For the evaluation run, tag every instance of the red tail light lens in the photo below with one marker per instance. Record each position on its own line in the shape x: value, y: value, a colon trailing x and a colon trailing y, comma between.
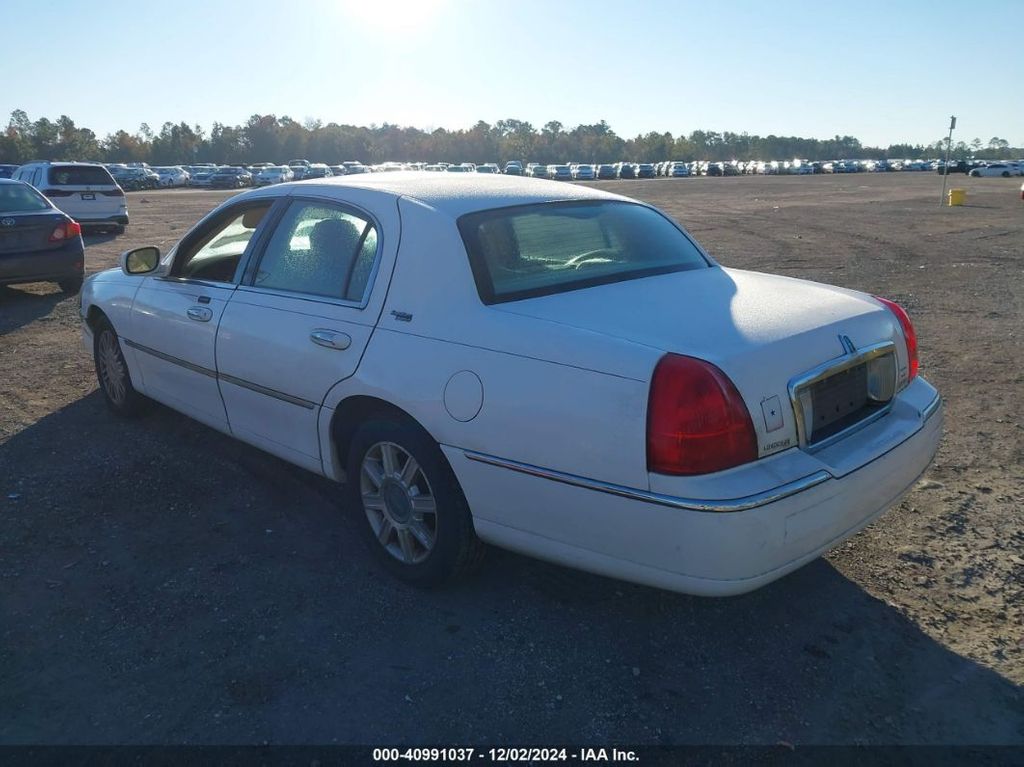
x: 697, y: 422
x: 909, y: 335
x: 65, y: 231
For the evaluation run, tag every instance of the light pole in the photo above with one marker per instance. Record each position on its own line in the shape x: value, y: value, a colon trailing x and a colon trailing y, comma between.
x: 945, y: 168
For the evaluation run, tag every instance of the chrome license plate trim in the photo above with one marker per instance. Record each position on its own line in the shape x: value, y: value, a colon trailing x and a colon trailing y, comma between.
x: 802, y: 383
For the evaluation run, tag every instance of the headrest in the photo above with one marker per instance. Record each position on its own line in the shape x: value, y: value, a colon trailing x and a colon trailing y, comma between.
x: 332, y: 233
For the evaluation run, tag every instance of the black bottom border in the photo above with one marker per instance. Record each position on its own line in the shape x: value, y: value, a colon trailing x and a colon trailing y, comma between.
x: 649, y: 756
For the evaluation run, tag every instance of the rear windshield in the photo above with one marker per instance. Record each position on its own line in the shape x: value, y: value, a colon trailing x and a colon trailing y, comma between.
x: 18, y: 198
x: 79, y: 175
x: 536, y: 250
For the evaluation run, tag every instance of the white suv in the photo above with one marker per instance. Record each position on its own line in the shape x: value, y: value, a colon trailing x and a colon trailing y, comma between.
x: 84, y: 190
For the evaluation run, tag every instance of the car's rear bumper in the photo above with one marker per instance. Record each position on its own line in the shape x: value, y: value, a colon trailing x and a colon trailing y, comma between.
x: 642, y: 537
x: 63, y: 263
x: 120, y: 219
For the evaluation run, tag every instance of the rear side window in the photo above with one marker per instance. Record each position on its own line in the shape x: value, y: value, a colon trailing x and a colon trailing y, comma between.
x: 79, y: 175
x: 537, y: 250
x: 319, y: 250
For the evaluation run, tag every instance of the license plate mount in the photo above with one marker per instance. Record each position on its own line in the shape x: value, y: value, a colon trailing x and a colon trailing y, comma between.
x: 837, y: 400
x: 844, y: 394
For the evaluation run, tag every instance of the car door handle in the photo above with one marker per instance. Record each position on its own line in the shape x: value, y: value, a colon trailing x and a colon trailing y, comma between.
x: 199, y: 313
x: 331, y: 339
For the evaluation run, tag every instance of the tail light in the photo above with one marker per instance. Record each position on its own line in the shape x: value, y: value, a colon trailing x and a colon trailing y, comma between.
x: 697, y: 422
x: 65, y: 230
x: 909, y: 335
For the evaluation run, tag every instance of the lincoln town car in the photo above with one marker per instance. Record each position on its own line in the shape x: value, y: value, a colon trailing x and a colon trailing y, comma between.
x: 547, y: 368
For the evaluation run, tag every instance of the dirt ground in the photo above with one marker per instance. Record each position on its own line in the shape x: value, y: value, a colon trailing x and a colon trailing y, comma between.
x: 162, y: 583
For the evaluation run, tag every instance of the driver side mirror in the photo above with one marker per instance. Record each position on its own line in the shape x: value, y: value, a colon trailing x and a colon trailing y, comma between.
x: 140, y: 260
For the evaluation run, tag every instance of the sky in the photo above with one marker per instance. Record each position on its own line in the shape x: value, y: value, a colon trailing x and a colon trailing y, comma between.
x: 883, y: 72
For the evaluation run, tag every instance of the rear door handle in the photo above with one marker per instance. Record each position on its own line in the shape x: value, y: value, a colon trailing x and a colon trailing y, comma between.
x: 331, y: 339
x: 199, y: 313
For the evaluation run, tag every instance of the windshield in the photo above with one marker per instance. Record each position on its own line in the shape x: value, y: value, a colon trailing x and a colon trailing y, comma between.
x: 20, y: 198
x: 536, y: 250
x: 79, y: 175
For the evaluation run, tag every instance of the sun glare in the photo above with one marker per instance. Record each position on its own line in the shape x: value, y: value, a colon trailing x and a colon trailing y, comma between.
x: 392, y: 15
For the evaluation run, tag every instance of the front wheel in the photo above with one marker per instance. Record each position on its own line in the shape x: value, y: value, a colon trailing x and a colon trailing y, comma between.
x: 1006, y: 174
x: 408, y: 504
x: 112, y: 372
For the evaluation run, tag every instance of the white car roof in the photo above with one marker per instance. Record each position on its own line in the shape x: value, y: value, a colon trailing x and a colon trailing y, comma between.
x: 457, y: 194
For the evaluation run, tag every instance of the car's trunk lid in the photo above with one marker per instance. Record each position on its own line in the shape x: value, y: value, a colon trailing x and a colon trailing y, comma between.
x: 762, y: 330
x: 29, y: 231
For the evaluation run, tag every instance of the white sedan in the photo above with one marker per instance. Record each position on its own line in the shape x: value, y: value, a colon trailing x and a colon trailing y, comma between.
x: 172, y: 176
x: 996, y: 169
x: 274, y: 174
x: 559, y: 371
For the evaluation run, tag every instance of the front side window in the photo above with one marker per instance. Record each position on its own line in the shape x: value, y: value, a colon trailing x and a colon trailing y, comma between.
x: 215, y: 254
x: 320, y: 250
x: 535, y: 250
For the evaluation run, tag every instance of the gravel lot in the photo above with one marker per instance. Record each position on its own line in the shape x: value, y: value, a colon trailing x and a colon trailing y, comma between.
x: 162, y: 583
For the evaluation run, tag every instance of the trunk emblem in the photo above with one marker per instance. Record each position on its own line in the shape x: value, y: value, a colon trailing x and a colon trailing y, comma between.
x: 7, y: 221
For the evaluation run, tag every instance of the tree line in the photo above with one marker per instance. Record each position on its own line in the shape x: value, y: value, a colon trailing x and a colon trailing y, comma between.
x: 268, y: 138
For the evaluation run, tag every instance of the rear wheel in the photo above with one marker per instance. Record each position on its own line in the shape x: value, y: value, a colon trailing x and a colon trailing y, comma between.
x: 112, y: 372
x: 408, y: 503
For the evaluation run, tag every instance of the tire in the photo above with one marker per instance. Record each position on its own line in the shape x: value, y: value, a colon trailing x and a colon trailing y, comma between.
x: 392, y: 503
x: 119, y: 229
x: 1006, y: 174
x: 70, y: 286
x: 112, y: 372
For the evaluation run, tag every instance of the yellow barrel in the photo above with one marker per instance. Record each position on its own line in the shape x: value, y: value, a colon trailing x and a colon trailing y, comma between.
x: 957, y: 197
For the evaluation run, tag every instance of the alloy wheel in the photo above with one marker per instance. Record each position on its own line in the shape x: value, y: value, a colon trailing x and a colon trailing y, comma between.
x: 112, y: 371
x: 398, y: 502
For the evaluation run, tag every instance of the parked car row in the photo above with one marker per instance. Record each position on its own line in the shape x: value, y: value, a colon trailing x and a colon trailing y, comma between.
x: 574, y: 171
x: 135, y: 176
